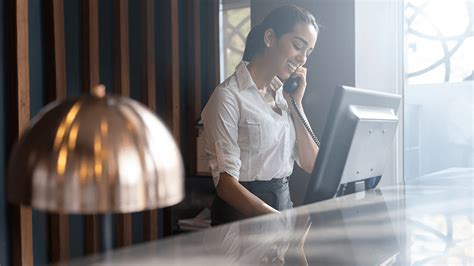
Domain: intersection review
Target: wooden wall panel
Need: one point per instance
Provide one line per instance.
(91, 231)
(148, 91)
(147, 56)
(58, 242)
(168, 18)
(90, 43)
(192, 84)
(123, 230)
(121, 48)
(18, 79)
(123, 222)
(150, 225)
(215, 72)
(55, 56)
(55, 89)
(90, 71)
(211, 77)
(174, 83)
(21, 233)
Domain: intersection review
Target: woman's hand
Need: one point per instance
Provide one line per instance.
(298, 94)
(237, 196)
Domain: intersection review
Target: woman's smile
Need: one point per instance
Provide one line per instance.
(292, 66)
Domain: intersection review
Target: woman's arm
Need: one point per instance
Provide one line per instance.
(307, 149)
(237, 196)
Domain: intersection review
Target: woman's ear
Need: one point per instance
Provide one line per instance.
(268, 38)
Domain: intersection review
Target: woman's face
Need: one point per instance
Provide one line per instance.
(292, 49)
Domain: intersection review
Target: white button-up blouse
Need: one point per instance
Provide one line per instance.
(244, 136)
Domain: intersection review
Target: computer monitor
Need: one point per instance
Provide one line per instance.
(355, 145)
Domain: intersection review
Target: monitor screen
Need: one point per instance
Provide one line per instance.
(355, 145)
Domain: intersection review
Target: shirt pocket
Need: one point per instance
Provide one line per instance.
(254, 129)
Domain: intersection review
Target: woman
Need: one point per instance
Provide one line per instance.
(253, 135)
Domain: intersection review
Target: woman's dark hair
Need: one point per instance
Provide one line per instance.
(281, 20)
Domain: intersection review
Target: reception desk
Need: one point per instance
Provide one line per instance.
(427, 221)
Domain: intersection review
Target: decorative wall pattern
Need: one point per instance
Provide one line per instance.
(440, 41)
(233, 32)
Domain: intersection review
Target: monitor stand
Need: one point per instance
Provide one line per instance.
(357, 186)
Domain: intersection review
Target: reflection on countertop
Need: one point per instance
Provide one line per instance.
(427, 221)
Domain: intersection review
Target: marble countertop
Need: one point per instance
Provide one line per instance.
(426, 221)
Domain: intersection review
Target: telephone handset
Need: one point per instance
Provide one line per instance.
(290, 86)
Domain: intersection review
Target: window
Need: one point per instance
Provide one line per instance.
(234, 18)
(440, 41)
(438, 87)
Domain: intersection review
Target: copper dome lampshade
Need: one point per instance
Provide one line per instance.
(96, 154)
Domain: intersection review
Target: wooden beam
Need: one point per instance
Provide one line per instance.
(123, 230)
(91, 237)
(18, 79)
(121, 48)
(21, 233)
(168, 19)
(55, 57)
(58, 244)
(150, 225)
(90, 70)
(90, 43)
(148, 93)
(55, 69)
(123, 222)
(174, 86)
(211, 22)
(147, 65)
(193, 79)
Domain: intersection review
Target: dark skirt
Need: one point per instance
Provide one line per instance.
(275, 193)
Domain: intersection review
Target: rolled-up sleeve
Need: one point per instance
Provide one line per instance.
(220, 118)
(296, 155)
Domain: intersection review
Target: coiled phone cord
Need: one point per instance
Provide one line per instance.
(305, 123)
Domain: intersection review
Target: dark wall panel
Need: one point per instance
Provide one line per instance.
(187, 128)
(134, 46)
(37, 101)
(36, 56)
(3, 213)
(134, 61)
(76, 236)
(106, 44)
(137, 227)
(72, 34)
(209, 46)
(333, 62)
(160, 57)
(187, 132)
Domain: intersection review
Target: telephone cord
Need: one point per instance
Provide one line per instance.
(305, 123)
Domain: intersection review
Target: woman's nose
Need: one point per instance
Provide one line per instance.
(301, 59)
